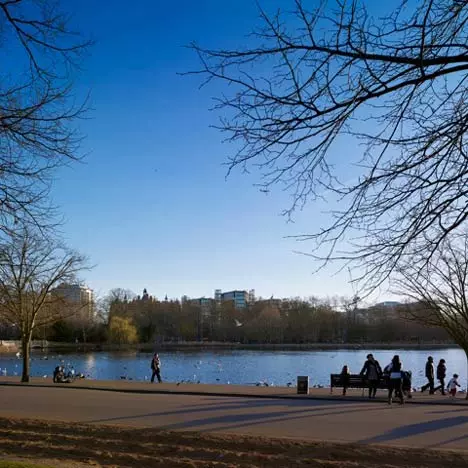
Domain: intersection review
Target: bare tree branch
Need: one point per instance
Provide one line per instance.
(397, 85)
(37, 106)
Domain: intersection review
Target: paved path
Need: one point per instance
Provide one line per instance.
(433, 426)
(230, 390)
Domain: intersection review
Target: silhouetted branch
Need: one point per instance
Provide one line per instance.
(37, 107)
(310, 80)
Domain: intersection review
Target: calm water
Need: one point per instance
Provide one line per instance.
(234, 367)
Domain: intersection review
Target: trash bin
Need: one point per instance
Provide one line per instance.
(303, 384)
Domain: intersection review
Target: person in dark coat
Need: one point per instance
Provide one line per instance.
(156, 368)
(345, 378)
(429, 376)
(372, 372)
(441, 373)
(59, 375)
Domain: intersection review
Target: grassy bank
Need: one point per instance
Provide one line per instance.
(62, 444)
(15, 464)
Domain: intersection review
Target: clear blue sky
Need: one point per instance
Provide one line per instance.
(150, 204)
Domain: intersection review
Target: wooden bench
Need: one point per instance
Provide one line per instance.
(357, 381)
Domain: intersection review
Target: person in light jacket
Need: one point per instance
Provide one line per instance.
(452, 386)
(156, 368)
(395, 382)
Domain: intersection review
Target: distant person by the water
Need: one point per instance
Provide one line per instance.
(345, 378)
(395, 382)
(441, 373)
(429, 376)
(372, 372)
(156, 368)
(452, 385)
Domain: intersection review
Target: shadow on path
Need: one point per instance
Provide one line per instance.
(237, 404)
(450, 441)
(236, 421)
(449, 411)
(417, 429)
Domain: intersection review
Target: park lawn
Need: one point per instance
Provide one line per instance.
(11, 464)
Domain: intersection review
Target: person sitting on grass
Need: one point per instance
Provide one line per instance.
(345, 378)
(452, 386)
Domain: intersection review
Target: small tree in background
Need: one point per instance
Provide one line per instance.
(122, 331)
(30, 268)
(440, 290)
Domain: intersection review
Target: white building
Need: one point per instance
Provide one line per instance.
(77, 294)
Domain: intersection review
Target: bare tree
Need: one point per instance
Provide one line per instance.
(392, 89)
(439, 290)
(30, 268)
(116, 302)
(37, 106)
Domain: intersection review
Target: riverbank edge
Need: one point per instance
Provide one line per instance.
(7, 347)
(234, 391)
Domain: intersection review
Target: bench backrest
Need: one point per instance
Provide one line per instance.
(358, 381)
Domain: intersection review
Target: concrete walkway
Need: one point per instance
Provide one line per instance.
(125, 386)
(434, 426)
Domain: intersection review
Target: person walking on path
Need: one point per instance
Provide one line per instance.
(395, 382)
(156, 368)
(429, 376)
(372, 372)
(441, 372)
(452, 385)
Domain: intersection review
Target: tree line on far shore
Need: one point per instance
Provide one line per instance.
(123, 318)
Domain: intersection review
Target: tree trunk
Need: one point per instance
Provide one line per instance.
(466, 354)
(25, 350)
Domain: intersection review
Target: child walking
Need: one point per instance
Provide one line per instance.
(452, 385)
(345, 378)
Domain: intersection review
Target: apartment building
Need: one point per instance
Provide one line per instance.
(240, 298)
(79, 295)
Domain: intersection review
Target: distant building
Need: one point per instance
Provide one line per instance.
(388, 304)
(205, 304)
(79, 295)
(218, 295)
(239, 298)
(390, 309)
(252, 295)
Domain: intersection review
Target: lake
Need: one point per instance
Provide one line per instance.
(246, 367)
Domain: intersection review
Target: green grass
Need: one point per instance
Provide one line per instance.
(9, 464)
